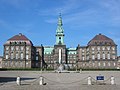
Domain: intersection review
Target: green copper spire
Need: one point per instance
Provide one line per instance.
(60, 20)
(60, 32)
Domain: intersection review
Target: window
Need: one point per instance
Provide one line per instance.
(83, 58)
(21, 56)
(27, 48)
(113, 48)
(6, 56)
(22, 48)
(12, 56)
(99, 64)
(108, 48)
(17, 48)
(74, 57)
(83, 50)
(27, 56)
(12, 48)
(108, 56)
(114, 64)
(93, 57)
(68, 61)
(98, 56)
(87, 57)
(36, 57)
(103, 48)
(98, 48)
(17, 56)
(103, 56)
(113, 56)
(93, 48)
(7, 48)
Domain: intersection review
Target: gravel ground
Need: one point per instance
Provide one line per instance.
(58, 81)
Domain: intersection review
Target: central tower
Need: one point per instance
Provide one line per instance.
(59, 32)
(60, 47)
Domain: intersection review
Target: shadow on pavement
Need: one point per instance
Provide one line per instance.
(12, 79)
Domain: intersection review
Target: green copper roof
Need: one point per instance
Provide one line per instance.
(60, 20)
(48, 50)
(59, 28)
(59, 32)
(71, 48)
(71, 51)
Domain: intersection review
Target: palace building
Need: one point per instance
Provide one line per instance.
(99, 53)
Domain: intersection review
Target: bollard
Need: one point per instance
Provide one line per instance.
(112, 80)
(41, 80)
(18, 80)
(89, 80)
(80, 70)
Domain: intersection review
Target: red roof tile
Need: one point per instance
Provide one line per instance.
(19, 37)
(101, 40)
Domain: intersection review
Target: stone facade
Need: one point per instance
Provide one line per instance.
(100, 53)
(18, 52)
(118, 63)
(1, 61)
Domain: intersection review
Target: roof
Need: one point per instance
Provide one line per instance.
(101, 40)
(71, 49)
(19, 37)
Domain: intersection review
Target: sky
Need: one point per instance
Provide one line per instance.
(37, 19)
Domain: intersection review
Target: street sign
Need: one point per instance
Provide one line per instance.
(100, 77)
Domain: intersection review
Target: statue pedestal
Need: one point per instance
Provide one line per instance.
(60, 68)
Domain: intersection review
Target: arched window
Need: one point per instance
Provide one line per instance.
(103, 56)
(16, 56)
(108, 56)
(21, 56)
(98, 56)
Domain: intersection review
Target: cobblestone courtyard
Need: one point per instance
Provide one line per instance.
(58, 81)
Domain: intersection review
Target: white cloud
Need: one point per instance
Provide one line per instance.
(14, 3)
(66, 7)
